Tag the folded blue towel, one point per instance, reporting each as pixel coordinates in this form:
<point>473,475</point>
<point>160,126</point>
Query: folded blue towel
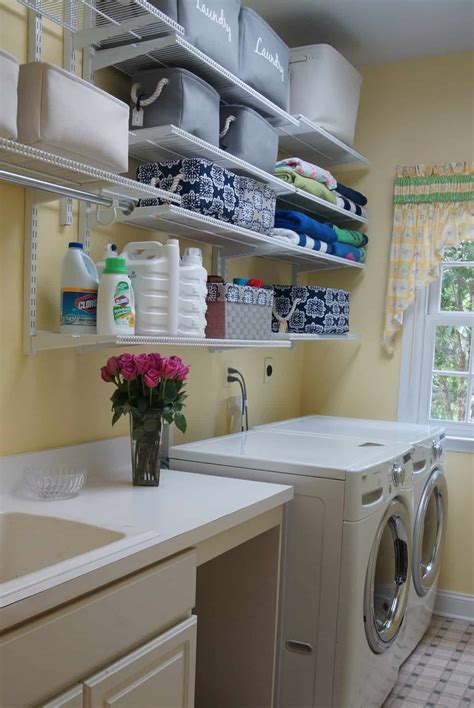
<point>351,194</point>
<point>351,206</point>
<point>302,224</point>
<point>352,253</point>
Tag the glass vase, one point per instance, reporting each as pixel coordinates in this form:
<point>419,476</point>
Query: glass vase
<point>145,438</point>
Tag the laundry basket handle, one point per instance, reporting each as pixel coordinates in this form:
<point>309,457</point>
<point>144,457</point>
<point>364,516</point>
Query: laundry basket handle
<point>284,321</point>
<point>144,102</point>
<point>174,184</point>
<point>228,122</point>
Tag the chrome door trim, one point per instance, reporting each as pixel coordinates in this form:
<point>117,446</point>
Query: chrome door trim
<point>380,640</point>
<point>424,576</point>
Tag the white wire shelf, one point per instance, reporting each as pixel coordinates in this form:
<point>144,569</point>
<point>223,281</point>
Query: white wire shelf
<point>235,241</point>
<point>174,50</point>
<point>97,23</point>
<point>318,337</point>
<point>311,142</point>
<point>44,341</point>
<point>171,143</point>
<point>26,160</point>
<point>301,200</point>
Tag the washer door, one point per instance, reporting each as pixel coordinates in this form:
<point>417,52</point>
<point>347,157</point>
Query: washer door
<point>387,579</point>
<point>429,533</point>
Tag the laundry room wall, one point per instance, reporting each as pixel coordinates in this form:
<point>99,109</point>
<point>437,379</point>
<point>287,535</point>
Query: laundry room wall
<point>56,398</point>
<point>411,111</point>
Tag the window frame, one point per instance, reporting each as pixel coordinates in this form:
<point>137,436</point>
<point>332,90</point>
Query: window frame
<point>417,364</point>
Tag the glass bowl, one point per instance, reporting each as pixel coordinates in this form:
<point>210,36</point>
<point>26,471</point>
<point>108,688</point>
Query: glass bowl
<point>58,482</point>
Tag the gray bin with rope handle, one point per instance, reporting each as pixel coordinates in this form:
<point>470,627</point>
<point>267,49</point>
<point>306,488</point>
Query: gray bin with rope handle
<point>175,97</point>
<point>210,25</point>
<point>247,135</point>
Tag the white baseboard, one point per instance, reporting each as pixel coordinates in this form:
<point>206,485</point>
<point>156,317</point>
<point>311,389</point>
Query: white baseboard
<point>454,605</point>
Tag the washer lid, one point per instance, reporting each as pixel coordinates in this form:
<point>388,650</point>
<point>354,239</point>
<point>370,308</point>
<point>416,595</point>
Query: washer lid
<point>388,578</point>
<point>290,453</point>
<point>372,430</point>
<point>429,532</point>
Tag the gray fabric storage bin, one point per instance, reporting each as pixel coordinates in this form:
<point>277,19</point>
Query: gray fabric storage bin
<point>264,58</point>
<point>210,25</point>
<point>186,101</point>
<point>249,137</point>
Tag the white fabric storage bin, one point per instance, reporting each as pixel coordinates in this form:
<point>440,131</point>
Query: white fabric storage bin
<point>325,88</point>
<point>9,68</point>
<point>264,58</point>
<point>210,25</point>
<point>61,113</point>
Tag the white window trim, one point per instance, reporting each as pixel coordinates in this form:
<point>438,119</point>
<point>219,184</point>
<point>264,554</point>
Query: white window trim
<point>414,391</point>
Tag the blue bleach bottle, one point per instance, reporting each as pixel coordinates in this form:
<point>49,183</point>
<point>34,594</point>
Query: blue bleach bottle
<point>79,286</point>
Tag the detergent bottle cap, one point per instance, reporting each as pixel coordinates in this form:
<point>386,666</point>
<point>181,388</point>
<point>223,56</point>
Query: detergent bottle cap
<point>116,265</point>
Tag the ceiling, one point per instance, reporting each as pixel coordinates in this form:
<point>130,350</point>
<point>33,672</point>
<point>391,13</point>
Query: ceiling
<point>374,31</point>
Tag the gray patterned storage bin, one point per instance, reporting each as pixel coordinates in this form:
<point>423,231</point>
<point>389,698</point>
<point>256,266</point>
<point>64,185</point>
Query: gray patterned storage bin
<point>238,312</point>
<point>186,101</point>
<point>306,309</point>
<point>264,58</point>
<point>249,136</point>
<point>210,25</point>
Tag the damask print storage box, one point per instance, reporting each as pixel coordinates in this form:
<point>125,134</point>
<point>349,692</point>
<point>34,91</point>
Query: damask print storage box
<point>238,311</point>
<point>213,191</point>
<point>310,310</point>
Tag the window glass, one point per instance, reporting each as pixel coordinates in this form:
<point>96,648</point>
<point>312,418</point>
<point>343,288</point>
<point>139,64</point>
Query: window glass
<point>452,348</point>
<point>457,288</point>
<point>449,398</point>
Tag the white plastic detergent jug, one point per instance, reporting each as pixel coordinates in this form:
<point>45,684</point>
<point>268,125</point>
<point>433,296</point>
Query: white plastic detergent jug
<point>115,302</point>
<point>154,271</point>
<point>79,285</point>
<point>192,294</point>
<point>110,251</point>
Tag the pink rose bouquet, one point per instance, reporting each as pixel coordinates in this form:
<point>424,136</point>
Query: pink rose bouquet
<point>147,383</point>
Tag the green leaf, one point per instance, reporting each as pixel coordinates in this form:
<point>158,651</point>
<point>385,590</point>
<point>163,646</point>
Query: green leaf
<point>116,416</point>
<point>180,422</point>
<point>169,417</point>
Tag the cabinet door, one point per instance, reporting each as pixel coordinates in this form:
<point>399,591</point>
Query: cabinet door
<point>158,675</point>
<point>70,699</point>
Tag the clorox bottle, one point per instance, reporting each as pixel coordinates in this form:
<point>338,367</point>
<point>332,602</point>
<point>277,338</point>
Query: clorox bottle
<point>79,284</point>
<point>115,303</point>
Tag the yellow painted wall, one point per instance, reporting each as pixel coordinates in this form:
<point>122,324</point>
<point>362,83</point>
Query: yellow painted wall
<point>411,111</point>
<point>56,398</point>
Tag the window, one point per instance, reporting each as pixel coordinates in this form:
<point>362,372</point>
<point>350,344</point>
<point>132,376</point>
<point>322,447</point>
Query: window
<point>437,377</point>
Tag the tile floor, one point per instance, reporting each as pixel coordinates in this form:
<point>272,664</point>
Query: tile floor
<point>440,672</point>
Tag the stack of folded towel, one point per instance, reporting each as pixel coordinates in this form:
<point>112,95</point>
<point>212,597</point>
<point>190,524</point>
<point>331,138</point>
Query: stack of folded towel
<point>320,183</point>
<point>301,230</point>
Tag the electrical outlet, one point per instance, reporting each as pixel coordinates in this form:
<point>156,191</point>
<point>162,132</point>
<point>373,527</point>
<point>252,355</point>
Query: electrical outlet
<point>268,370</point>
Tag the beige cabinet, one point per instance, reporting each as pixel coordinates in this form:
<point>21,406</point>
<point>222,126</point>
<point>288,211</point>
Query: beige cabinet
<point>70,699</point>
<point>159,674</point>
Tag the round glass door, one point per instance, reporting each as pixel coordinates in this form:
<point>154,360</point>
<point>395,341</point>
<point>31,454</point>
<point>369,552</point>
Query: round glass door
<point>387,580</point>
<point>430,529</point>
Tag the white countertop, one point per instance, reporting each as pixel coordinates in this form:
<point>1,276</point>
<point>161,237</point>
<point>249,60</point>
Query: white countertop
<point>185,510</point>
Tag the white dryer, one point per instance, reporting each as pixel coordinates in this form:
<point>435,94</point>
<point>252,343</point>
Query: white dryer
<point>346,557</point>
<point>430,501</point>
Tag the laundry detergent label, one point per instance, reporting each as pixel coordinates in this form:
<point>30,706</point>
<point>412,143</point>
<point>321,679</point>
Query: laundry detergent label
<point>122,309</point>
<point>78,307</point>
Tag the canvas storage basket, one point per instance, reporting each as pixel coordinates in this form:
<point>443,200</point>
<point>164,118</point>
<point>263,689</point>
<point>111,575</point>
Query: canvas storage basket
<point>210,25</point>
<point>212,190</point>
<point>300,309</point>
<point>264,58</point>
<point>9,69</point>
<point>61,113</point>
<point>175,97</point>
<point>325,88</point>
<point>238,312</point>
<point>247,135</point>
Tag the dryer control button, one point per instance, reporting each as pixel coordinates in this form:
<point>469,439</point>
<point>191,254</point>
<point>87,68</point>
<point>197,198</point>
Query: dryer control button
<point>398,473</point>
<point>437,449</point>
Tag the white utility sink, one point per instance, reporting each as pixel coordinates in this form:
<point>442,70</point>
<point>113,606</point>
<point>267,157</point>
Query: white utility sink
<point>29,542</point>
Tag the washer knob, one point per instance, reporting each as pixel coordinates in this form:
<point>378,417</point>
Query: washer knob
<point>437,449</point>
<point>398,473</point>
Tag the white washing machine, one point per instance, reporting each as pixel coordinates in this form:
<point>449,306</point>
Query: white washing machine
<point>346,557</point>
<point>430,501</point>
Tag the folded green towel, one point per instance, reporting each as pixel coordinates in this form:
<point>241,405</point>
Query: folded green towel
<point>351,237</point>
<point>317,189</point>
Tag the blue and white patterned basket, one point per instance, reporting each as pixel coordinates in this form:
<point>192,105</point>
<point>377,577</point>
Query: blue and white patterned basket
<point>301,309</point>
<point>213,191</point>
<point>238,311</point>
